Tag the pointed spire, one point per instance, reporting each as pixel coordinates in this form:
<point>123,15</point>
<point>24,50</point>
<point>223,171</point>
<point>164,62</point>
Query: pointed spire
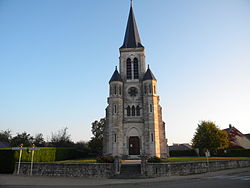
<point>148,75</point>
<point>132,38</point>
<point>116,76</point>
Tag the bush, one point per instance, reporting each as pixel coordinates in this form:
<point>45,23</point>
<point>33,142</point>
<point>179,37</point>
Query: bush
<point>7,161</point>
<point>105,159</point>
<point>154,160</point>
<point>182,153</point>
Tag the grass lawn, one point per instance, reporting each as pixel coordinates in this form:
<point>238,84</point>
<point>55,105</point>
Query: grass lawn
<point>88,160</point>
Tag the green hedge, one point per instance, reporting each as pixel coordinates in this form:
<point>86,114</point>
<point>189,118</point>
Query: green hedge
<point>8,157</point>
<point>182,153</point>
<point>47,154</point>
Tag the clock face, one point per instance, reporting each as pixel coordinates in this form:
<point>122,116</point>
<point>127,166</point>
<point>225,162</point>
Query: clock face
<point>132,91</point>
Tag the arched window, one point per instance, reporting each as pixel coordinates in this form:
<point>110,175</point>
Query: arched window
<point>136,69</point>
<point>128,111</point>
<point>150,108</point>
<point>138,111</point>
<point>129,69</point>
<point>145,89</point>
<point>120,90</point>
<point>115,89</point>
<point>150,88</point>
<point>154,89</point>
<point>133,110</point>
<point>114,109</point>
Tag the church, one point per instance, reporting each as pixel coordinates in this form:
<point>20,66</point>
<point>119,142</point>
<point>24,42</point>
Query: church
<point>134,125</point>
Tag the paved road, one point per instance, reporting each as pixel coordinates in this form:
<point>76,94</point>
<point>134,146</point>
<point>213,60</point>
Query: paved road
<point>236,178</point>
<point>240,180</point>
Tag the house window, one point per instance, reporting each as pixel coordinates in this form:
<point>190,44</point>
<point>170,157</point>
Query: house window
<point>154,89</point>
<point>115,137</point>
<point>152,137</point>
<point>145,89</point>
<point>129,69</point>
<point>136,69</point>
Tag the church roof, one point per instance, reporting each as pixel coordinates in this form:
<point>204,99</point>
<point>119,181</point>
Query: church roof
<point>116,77</point>
<point>149,75</point>
<point>132,38</point>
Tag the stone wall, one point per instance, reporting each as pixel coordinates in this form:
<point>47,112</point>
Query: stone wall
<point>187,168</point>
<point>112,169</point>
<point>69,169</point>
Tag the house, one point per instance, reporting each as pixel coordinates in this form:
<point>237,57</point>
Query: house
<point>183,146</point>
<point>237,139</point>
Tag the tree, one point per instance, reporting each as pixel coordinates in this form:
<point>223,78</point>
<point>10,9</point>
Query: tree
<point>61,138</point>
<point>97,128</point>
<point>5,136</point>
<point>95,144</point>
<point>39,140</point>
<point>23,138</point>
<point>209,137</point>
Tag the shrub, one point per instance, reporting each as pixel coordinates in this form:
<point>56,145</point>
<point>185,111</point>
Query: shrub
<point>105,159</point>
<point>154,159</point>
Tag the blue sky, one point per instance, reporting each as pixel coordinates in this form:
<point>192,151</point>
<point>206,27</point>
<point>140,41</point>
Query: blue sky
<point>56,58</point>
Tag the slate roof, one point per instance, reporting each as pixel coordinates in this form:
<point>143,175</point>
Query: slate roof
<point>184,146</point>
<point>149,75</point>
<point>132,38</point>
<point>116,77</point>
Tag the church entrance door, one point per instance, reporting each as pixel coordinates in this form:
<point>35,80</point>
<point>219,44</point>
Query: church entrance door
<point>134,145</point>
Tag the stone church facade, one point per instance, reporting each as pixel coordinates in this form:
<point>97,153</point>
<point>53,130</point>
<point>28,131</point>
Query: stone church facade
<point>134,125</point>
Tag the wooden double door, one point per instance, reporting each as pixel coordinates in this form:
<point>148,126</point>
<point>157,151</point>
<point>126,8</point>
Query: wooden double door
<point>134,145</point>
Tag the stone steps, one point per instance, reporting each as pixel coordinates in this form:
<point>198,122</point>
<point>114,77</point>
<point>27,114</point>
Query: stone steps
<point>130,171</point>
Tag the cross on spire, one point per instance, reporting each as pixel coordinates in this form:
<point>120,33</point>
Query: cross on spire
<point>131,3</point>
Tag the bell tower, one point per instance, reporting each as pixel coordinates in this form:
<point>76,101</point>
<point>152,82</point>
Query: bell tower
<point>134,123</point>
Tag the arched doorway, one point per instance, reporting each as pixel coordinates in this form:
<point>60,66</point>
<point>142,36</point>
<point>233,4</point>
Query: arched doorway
<point>134,145</point>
